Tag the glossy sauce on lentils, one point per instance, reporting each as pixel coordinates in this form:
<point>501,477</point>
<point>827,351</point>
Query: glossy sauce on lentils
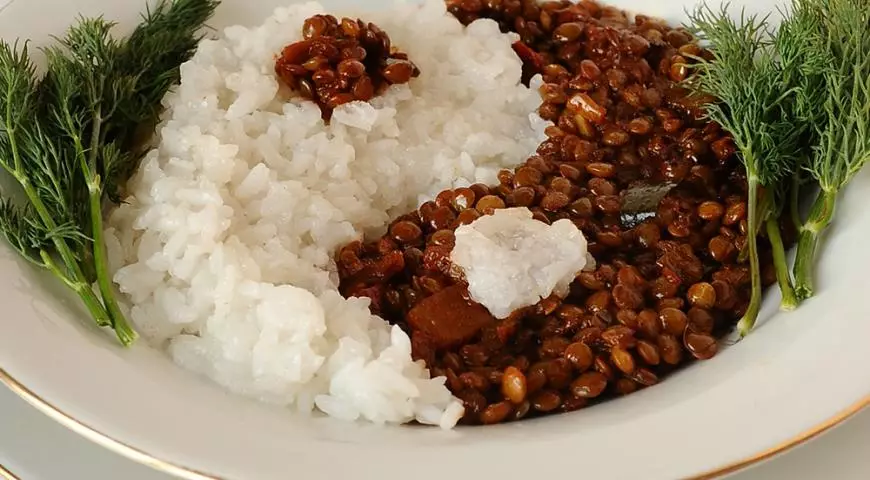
<point>663,290</point>
<point>339,61</point>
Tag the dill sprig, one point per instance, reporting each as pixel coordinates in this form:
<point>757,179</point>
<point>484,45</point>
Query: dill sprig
<point>844,127</point>
<point>797,102</point>
<point>69,138</point>
<point>42,173</point>
<point>798,42</point>
<point>756,104</point>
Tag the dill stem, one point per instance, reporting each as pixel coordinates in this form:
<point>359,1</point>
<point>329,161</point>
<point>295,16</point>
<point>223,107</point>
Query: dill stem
<point>52,266</point>
<point>794,200</point>
<point>765,203</point>
<point>101,263</point>
<point>783,275</point>
<point>808,241</point>
<point>82,289</point>
<point>744,326</point>
<point>803,276</point>
<point>122,328</point>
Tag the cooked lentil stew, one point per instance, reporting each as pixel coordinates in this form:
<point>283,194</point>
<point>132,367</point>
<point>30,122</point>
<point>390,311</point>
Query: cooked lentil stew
<point>664,289</point>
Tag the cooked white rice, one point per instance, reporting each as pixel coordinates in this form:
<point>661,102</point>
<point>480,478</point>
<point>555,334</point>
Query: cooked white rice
<point>225,244</point>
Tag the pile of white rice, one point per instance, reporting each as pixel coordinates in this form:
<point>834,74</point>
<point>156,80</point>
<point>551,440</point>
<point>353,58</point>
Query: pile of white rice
<point>225,244</point>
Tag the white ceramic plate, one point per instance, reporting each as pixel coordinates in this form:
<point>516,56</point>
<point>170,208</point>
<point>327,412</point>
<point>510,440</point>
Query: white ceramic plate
<point>795,376</point>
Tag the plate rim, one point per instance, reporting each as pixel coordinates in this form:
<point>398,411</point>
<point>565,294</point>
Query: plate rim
<point>172,468</point>
<point>6,474</point>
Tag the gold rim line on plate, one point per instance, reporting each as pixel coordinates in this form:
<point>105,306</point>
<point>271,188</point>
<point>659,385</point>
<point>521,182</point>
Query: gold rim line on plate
<point>181,471</point>
<point>786,445</point>
<point>100,438</point>
<point>6,474</point>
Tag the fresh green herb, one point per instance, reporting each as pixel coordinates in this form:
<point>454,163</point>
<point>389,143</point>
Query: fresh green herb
<point>802,62</point>
<point>797,103</point>
<point>69,139</point>
<point>756,105</point>
<point>844,127</point>
<point>797,44</point>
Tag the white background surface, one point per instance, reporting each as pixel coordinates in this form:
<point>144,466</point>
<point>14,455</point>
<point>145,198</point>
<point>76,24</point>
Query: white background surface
<point>35,448</point>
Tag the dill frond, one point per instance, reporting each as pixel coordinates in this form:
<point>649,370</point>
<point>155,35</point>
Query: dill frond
<point>843,128</point>
<point>756,102</point>
<point>68,138</point>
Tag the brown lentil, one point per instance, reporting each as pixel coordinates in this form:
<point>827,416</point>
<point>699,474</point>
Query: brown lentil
<point>674,321</point>
<point>624,386</point>
<point>546,401</point>
<point>622,360</point>
<point>514,385</point>
<point>603,366</point>
<point>700,321</point>
<point>488,204</point>
<point>589,385</point>
<point>734,213</point>
<point>700,345</point>
<point>495,413</point>
<point>710,210</point>
<point>670,349</point>
<point>645,377</point>
<point>702,295</point>
<point>648,352</point>
<point>580,355</point>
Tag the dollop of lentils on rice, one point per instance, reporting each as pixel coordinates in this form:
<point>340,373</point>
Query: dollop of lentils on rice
<point>342,61</point>
<point>663,290</point>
